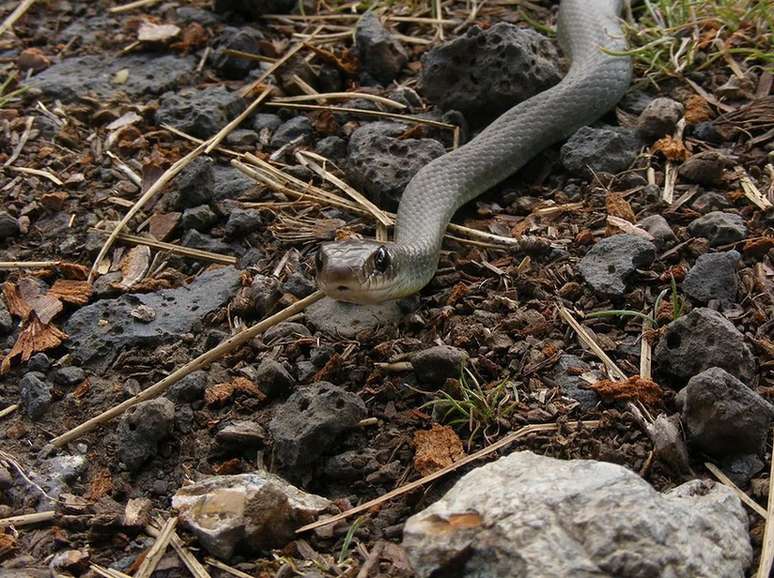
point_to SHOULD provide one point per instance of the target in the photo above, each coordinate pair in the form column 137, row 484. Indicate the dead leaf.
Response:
column 697, row 109
column 33, row 338
column 194, row 36
column 347, row 62
column 7, row 544
column 161, row 225
column 124, row 120
column 222, row 392
column 134, row 266
column 157, row 33
column 673, row 150
column 634, row 388
column 436, row 449
column 34, row 295
column 54, row 201
column 73, row 271
column 101, row 484
column 70, row 291
column 229, row 467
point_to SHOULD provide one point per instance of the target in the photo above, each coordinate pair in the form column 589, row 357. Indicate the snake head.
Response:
column 357, row 271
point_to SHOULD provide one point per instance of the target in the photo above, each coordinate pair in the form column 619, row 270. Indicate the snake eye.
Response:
column 318, row 260
column 381, row 259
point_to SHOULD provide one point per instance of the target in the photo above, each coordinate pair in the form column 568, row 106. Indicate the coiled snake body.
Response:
column 362, row 271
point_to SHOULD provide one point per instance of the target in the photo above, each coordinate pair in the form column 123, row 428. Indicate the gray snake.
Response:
column 367, row 271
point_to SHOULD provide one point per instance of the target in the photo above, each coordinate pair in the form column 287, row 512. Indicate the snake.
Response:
column 368, row 271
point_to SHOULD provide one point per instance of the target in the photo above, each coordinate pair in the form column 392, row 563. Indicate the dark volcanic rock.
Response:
column 242, row 40
column 331, row 147
column 296, row 127
column 663, row 235
column 309, row 422
column 240, row 436
column 713, row 277
column 381, row 55
column 6, row 321
column 254, row 8
column 69, row 376
column 437, row 364
column 613, row 260
column 485, row 72
column 190, row 388
column 566, row 374
column 349, row 321
column 723, row 416
column 35, row 394
column 719, row 227
column 201, row 218
column 602, row 150
column 273, row 379
column 704, row 168
column 700, row 340
column 230, row 183
column 9, row 226
column 98, row 332
column 199, row 112
column 659, row 118
column 83, row 75
column 381, row 165
column 194, row 184
column 141, row 428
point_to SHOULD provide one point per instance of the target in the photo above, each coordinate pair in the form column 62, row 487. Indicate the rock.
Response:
column 485, row 72
column 701, row 340
column 635, row 101
column 201, row 218
column 331, row 147
column 308, row 423
column 190, row 388
column 528, row 515
column 657, row 226
column 189, row 14
column 256, row 511
column 381, row 55
column 710, row 202
column 706, row 131
column 6, row 321
column 723, row 416
column 93, row 75
column 437, row 364
column 9, row 226
column 141, row 428
column 285, row 329
column 98, row 332
column 39, row 362
column 289, row 131
column 352, row 465
column 741, row 468
column 35, row 394
column 659, row 118
column 273, row 379
column 194, row 183
column 199, row 112
column 73, row 561
column 347, row 320
column 704, row 168
column 601, row 150
column 719, row 227
column 254, row 8
column 243, row 222
column 612, row 261
column 566, row 374
column 260, row 297
column 299, row 285
column 246, row 40
column 69, row 376
column 380, row 164
column 241, row 435
column 242, row 138
column 266, row 121
column 56, row 475
column 197, row 240
column 713, row 276
column 231, row 183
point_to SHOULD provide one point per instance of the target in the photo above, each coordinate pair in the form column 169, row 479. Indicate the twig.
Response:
column 226, row 568
column 767, row 553
column 108, row 572
column 156, row 552
column 751, row 191
column 586, row 339
column 38, row 173
column 20, row 10
column 372, row 560
column 28, row 519
column 342, row 96
column 203, row 360
column 8, row 410
column 132, row 6
column 646, row 352
column 12, row 265
column 718, row 473
column 506, row 441
column 318, row 17
column 223, row 133
column 190, row 561
column 22, row 141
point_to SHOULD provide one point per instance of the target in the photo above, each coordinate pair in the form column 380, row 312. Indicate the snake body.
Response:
column 364, row 271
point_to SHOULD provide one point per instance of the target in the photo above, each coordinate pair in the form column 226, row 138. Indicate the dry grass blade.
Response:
column 767, row 553
column 156, row 187
column 223, row 133
column 586, row 339
column 28, row 519
column 342, row 96
column 718, row 473
column 203, row 360
column 13, row 265
column 177, row 249
column 22, row 141
column 158, row 549
column 132, row 6
column 38, row 173
column 8, row 410
column 190, row 561
column 646, row 352
column 107, row 572
column 500, row 444
column 756, row 197
column 323, row 17
column 226, row 568
column 14, row 16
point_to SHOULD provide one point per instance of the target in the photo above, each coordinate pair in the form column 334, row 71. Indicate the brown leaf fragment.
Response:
column 436, row 449
column 73, row 270
column 7, row 544
column 619, row 207
column 219, row 394
column 758, row 247
column 697, row 109
column 229, row 467
column 101, row 484
column 160, row 225
column 33, row 295
column 347, row 62
column 634, row 388
column 159, row 33
column 134, row 266
column 35, row 336
column 672, row 149
column 194, row 36
column 70, row 291
column 16, row 305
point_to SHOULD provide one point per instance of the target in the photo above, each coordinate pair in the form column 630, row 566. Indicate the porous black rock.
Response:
column 600, row 150
column 381, row 55
column 201, row 112
column 713, row 276
column 611, row 262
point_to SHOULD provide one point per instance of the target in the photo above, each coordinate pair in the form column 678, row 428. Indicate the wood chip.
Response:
column 436, row 449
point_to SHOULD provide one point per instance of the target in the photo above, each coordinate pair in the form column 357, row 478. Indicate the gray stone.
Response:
column 98, row 332
column 229, row 183
column 526, row 515
column 69, row 376
column 190, row 388
column 437, row 364
column 273, row 379
column 719, row 227
column 657, row 226
column 331, row 147
column 6, row 321
column 566, row 374
column 309, row 422
column 723, row 416
column 701, row 340
column 600, row 150
column 713, row 276
column 35, row 395
column 197, row 240
column 741, row 468
column 243, row 222
column 254, row 8
column 57, row 474
column 201, row 112
column 189, row 14
column 39, row 362
column 659, row 118
column 241, row 435
column 635, row 101
column 299, row 285
column 612, row 261
column 348, row 320
column 704, row 168
column 380, row 164
column 298, row 126
column 264, row 121
column 242, row 138
column 95, row 75
column 352, row 465
column 381, row 55
column 194, row 183
column 201, row 218
column 244, row 39
column 485, row 72
column 256, row 511
column 9, row 226
column 285, row 329
column 710, row 202
column 141, row 428
column 262, row 295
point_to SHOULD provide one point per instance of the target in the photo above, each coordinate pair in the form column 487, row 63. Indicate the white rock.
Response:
column 526, row 516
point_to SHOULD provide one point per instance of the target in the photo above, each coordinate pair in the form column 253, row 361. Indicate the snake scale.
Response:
column 367, row 271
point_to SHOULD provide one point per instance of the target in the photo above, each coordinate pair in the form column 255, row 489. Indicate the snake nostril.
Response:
column 343, row 288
